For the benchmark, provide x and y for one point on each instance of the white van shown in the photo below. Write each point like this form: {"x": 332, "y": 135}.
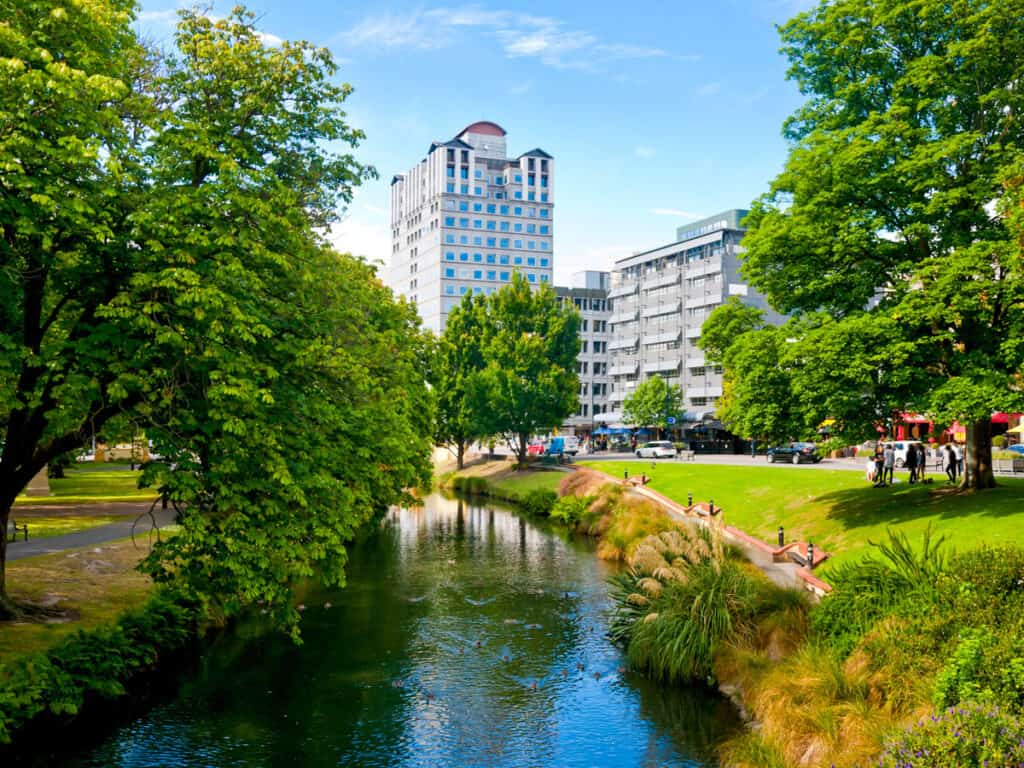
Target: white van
{"x": 900, "y": 448}
{"x": 572, "y": 445}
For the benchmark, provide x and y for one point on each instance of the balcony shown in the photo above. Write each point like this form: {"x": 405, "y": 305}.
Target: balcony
{"x": 661, "y": 365}
{"x": 628, "y": 342}
{"x": 668, "y": 278}
{"x": 623, "y": 317}
{"x": 705, "y": 300}
{"x": 668, "y": 308}
{"x": 623, "y": 290}
{"x": 661, "y": 338}
{"x": 693, "y": 333}
{"x": 623, "y": 369}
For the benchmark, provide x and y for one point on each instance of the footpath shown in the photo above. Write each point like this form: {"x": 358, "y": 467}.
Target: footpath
{"x": 135, "y": 513}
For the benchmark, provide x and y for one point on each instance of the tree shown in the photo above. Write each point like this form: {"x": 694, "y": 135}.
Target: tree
{"x": 884, "y": 215}
{"x": 724, "y": 325}
{"x": 529, "y": 381}
{"x": 652, "y": 403}
{"x": 459, "y": 361}
{"x": 163, "y": 259}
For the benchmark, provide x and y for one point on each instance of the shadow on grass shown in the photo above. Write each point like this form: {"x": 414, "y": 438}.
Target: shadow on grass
{"x": 903, "y": 503}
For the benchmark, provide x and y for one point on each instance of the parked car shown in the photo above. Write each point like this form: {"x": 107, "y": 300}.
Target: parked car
{"x": 658, "y": 449}
{"x": 87, "y": 456}
{"x": 535, "y": 448}
{"x": 900, "y": 447}
{"x": 795, "y": 453}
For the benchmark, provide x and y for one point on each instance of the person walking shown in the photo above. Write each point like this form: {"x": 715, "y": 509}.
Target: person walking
{"x": 911, "y": 462}
{"x": 888, "y": 462}
{"x": 949, "y": 462}
{"x": 879, "y": 470}
{"x": 958, "y": 452}
{"x": 922, "y": 462}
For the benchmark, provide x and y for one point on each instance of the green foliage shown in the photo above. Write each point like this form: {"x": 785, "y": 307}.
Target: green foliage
{"x": 724, "y": 325}
{"x": 571, "y": 509}
{"x": 458, "y": 362}
{"x": 909, "y": 133}
{"x": 652, "y": 403}
{"x": 165, "y": 259}
{"x": 959, "y": 737}
{"x": 539, "y": 502}
{"x": 472, "y": 485}
{"x": 529, "y": 382}
{"x": 868, "y": 590}
{"x": 999, "y": 441}
{"x": 100, "y": 663}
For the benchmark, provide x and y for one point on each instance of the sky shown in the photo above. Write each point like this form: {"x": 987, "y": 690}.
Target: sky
{"x": 656, "y": 113}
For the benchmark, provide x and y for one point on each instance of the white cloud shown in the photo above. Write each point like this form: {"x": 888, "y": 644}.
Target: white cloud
{"x": 709, "y": 89}
{"x": 519, "y": 89}
{"x": 389, "y": 31}
{"x": 521, "y": 35}
{"x": 268, "y": 39}
{"x": 645, "y": 152}
{"x": 375, "y": 209}
{"x": 675, "y": 212}
{"x": 365, "y": 235}
{"x": 166, "y": 16}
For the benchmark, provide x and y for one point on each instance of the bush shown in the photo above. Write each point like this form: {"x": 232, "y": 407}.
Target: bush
{"x": 538, "y": 502}
{"x": 471, "y": 485}
{"x": 960, "y": 737}
{"x": 571, "y": 509}
{"x": 100, "y": 663}
{"x": 1006, "y": 455}
{"x": 999, "y": 441}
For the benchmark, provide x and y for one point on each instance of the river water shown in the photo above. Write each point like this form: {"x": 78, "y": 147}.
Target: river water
{"x": 466, "y": 636}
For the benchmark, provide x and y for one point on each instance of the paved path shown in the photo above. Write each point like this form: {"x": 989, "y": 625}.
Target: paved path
{"x": 91, "y": 537}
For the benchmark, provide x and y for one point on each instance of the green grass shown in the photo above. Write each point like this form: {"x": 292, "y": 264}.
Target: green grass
{"x": 41, "y": 526}
{"x": 837, "y": 509}
{"x": 524, "y": 482}
{"x": 92, "y": 487}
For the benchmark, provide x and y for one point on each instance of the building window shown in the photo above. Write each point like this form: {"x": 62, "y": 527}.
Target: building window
{"x": 449, "y": 238}
{"x": 543, "y": 278}
{"x": 449, "y": 272}
{"x": 519, "y": 195}
{"x": 491, "y": 242}
{"x": 478, "y": 190}
{"x": 490, "y": 225}
{"x": 464, "y": 239}
{"x": 531, "y": 228}
{"x": 518, "y": 211}
{"x": 450, "y": 290}
{"x": 504, "y": 226}
{"x": 463, "y": 257}
{"x": 463, "y": 173}
{"x": 503, "y": 259}
{"x": 462, "y": 290}
{"x": 490, "y": 207}
{"x": 477, "y": 240}
{"x": 544, "y": 228}
{"x": 531, "y": 277}
{"x": 531, "y": 244}
{"x": 532, "y": 262}
{"x": 504, "y": 277}
{"x": 519, "y": 178}
{"x": 543, "y": 262}
{"x": 451, "y": 172}
{"x": 543, "y": 213}
{"x": 478, "y": 258}
{"x": 504, "y": 210}
{"x": 464, "y": 189}
{"x": 490, "y": 258}
{"x": 531, "y": 179}
{"x": 504, "y": 242}
{"x": 450, "y": 256}
{"x": 463, "y": 205}
{"x": 478, "y": 223}
{"x": 478, "y": 274}
{"x": 490, "y": 274}
{"x": 478, "y": 174}
{"x": 518, "y": 244}
{"x": 543, "y": 197}
{"x": 543, "y": 181}
{"x": 518, "y": 261}
{"x": 478, "y": 207}
{"x": 449, "y": 187}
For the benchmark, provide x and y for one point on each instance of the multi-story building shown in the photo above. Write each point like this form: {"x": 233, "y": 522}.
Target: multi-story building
{"x": 466, "y": 217}
{"x": 588, "y": 291}
{"x": 661, "y": 297}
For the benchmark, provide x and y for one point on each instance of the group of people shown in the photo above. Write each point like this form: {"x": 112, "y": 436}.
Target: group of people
{"x": 882, "y": 465}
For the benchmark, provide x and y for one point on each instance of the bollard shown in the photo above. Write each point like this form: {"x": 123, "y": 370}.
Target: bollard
{"x": 643, "y": 479}
{"x": 689, "y": 499}
{"x": 625, "y": 474}
{"x": 711, "y": 506}
{"x": 782, "y": 537}
{"x": 810, "y": 554}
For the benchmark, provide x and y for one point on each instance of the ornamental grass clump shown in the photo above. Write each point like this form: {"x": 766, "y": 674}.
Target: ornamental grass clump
{"x": 957, "y": 738}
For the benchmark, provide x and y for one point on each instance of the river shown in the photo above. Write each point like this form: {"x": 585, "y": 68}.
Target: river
{"x": 466, "y": 636}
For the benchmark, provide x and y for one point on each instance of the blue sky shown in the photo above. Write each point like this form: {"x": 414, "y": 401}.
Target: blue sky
{"x": 656, "y": 113}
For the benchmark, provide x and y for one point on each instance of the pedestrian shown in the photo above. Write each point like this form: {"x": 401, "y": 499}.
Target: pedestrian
{"x": 949, "y": 462}
{"x": 879, "y": 470}
{"x": 888, "y": 462}
{"x": 922, "y": 462}
{"x": 958, "y": 452}
{"x": 911, "y": 462}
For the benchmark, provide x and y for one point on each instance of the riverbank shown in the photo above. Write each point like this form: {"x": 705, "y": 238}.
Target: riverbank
{"x": 908, "y": 633}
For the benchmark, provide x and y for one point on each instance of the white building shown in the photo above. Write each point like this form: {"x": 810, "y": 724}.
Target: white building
{"x": 466, "y": 217}
{"x": 589, "y": 294}
{"x": 661, "y": 298}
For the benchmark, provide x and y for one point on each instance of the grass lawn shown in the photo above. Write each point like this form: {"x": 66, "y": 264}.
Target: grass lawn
{"x": 524, "y": 482}
{"x": 837, "y": 509}
{"x": 92, "y": 486}
{"x": 91, "y": 586}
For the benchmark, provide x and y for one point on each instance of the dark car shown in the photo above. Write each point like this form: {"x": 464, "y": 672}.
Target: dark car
{"x": 795, "y": 453}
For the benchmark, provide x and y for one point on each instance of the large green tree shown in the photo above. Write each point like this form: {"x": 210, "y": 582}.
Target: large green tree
{"x": 887, "y": 215}
{"x": 652, "y": 403}
{"x": 529, "y": 382}
{"x": 163, "y": 258}
{"x": 457, "y": 364}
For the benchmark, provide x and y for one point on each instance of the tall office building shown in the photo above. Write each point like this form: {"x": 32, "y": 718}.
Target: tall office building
{"x": 588, "y": 292}
{"x": 466, "y": 217}
{"x": 660, "y": 298}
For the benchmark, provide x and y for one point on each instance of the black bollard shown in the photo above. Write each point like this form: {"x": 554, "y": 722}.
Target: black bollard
{"x": 711, "y": 506}
{"x": 643, "y": 479}
{"x": 625, "y": 474}
{"x": 782, "y": 537}
{"x": 689, "y": 499}
{"x": 810, "y": 554}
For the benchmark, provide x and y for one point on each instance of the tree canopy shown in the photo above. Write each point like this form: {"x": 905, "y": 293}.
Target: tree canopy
{"x": 888, "y": 227}
{"x": 529, "y": 381}
{"x": 164, "y": 258}
{"x": 457, "y": 366}
{"x": 652, "y": 403}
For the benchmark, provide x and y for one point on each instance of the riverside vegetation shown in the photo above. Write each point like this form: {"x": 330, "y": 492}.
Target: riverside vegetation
{"x": 916, "y": 659}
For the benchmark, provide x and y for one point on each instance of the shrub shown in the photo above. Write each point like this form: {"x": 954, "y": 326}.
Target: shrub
{"x": 999, "y": 441}
{"x": 99, "y": 663}
{"x": 1006, "y": 455}
{"x": 959, "y": 737}
{"x": 571, "y": 509}
{"x": 538, "y": 502}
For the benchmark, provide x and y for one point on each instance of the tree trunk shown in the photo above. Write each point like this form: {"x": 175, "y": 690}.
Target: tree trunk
{"x": 978, "y": 457}
{"x": 8, "y": 609}
{"x": 521, "y": 444}
{"x": 460, "y": 452}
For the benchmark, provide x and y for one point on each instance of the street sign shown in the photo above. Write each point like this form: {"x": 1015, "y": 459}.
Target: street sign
{"x": 671, "y": 419}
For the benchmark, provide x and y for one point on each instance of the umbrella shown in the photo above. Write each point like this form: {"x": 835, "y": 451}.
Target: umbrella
{"x": 1018, "y": 430}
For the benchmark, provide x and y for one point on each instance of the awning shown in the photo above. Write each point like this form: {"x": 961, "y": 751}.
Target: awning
{"x": 602, "y": 431}
{"x": 694, "y": 416}
{"x": 1018, "y": 430}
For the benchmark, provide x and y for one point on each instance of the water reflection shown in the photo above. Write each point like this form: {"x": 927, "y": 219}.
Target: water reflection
{"x": 467, "y": 636}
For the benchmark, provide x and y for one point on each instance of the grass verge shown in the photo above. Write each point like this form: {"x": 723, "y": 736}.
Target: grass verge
{"x": 91, "y": 487}
{"x": 836, "y": 509}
